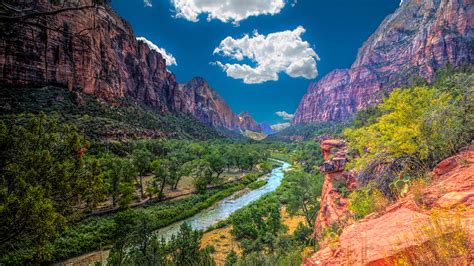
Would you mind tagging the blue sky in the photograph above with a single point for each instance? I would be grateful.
(332, 29)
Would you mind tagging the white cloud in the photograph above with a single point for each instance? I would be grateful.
(170, 60)
(147, 3)
(280, 127)
(226, 10)
(285, 115)
(277, 52)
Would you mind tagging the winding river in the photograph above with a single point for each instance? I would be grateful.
(206, 218)
(223, 209)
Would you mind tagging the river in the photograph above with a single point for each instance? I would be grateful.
(206, 218)
(223, 209)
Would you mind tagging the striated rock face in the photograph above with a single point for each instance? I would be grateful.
(246, 122)
(106, 60)
(199, 99)
(420, 37)
(409, 223)
(95, 51)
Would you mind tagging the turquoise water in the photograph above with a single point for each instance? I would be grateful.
(227, 206)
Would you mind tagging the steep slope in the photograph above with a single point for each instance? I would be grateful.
(267, 129)
(420, 37)
(94, 51)
(435, 218)
(197, 98)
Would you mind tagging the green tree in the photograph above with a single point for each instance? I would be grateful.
(216, 162)
(161, 170)
(120, 174)
(141, 159)
(42, 179)
(302, 195)
(399, 131)
(184, 247)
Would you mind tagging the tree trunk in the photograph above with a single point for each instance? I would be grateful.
(141, 186)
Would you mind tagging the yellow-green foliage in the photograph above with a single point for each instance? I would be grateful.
(366, 200)
(441, 240)
(416, 121)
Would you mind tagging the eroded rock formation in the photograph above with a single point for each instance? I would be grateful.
(94, 50)
(199, 99)
(410, 222)
(333, 210)
(420, 37)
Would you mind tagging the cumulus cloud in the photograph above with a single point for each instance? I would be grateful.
(147, 3)
(277, 52)
(285, 115)
(170, 60)
(280, 127)
(226, 10)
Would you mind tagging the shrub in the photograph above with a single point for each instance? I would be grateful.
(366, 200)
(441, 240)
(339, 184)
(258, 184)
(231, 258)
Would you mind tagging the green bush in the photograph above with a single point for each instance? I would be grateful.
(366, 200)
(257, 184)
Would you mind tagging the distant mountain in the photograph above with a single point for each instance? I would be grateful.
(94, 51)
(419, 38)
(267, 129)
(198, 99)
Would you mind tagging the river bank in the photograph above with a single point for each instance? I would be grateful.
(211, 215)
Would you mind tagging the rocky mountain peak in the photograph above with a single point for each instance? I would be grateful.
(417, 39)
(105, 60)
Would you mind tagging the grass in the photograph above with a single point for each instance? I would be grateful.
(442, 240)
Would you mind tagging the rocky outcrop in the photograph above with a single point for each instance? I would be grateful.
(333, 210)
(246, 122)
(197, 98)
(93, 50)
(420, 37)
(417, 222)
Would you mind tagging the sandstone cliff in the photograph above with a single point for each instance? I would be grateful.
(333, 210)
(93, 50)
(422, 221)
(420, 37)
(197, 98)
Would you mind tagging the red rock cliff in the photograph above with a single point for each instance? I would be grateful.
(333, 210)
(199, 99)
(412, 223)
(95, 51)
(420, 37)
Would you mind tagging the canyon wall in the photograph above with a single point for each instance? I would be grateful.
(94, 50)
(436, 217)
(197, 98)
(419, 38)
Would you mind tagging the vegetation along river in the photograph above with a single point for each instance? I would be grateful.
(223, 209)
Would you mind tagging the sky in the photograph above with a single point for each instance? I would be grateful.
(260, 55)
